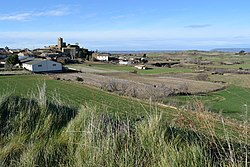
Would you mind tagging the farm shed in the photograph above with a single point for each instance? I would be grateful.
(38, 65)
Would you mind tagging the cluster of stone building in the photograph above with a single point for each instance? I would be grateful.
(63, 52)
(51, 58)
(48, 58)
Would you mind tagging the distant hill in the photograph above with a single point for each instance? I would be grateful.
(231, 49)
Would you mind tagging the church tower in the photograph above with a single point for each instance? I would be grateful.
(60, 43)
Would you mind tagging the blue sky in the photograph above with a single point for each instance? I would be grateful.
(126, 25)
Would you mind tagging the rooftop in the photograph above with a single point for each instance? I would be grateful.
(35, 61)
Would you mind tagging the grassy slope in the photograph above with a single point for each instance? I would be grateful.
(231, 102)
(74, 93)
(83, 141)
(34, 133)
(78, 94)
(241, 80)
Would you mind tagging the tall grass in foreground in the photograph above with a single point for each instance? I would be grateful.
(34, 132)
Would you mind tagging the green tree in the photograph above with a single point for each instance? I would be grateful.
(144, 60)
(12, 60)
(80, 54)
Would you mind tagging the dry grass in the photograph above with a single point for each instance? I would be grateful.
(57, 135)
(146, 83)
(242, 80)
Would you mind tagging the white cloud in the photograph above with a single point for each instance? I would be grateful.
(123, 16)
(55, 12)
(89, 15)
(17, 17)
(199, 26)
(29, 15)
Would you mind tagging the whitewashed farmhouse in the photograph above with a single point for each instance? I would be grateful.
(38, 65)
(101, 56)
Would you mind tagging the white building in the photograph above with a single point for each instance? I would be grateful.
(124, 62)
(102, 57)
(38, 65)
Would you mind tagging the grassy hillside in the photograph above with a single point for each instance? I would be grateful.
(242, 80)
(37, 132)
(73, 93)
(38, 127)
(232, 102)
(78, 94)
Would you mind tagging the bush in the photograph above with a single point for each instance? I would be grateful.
(13, 59)
(134, 71)
(183, 89)
(111, 86)
(79, 79)
(202, 77)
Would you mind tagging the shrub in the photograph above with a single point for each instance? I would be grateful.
(79, 79)
(134, 71)
(202, 77)
(111, 86)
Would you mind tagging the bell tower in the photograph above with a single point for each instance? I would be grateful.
(60, 43)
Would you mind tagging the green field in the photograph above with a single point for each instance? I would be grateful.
(78, 94)
(123, 68)
(72, 93)
(34, 133)
(232, 102)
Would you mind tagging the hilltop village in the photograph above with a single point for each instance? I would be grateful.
(52, 58)
(62, 56)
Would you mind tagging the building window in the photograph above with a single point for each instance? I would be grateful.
(54, 64)
(40, 65)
